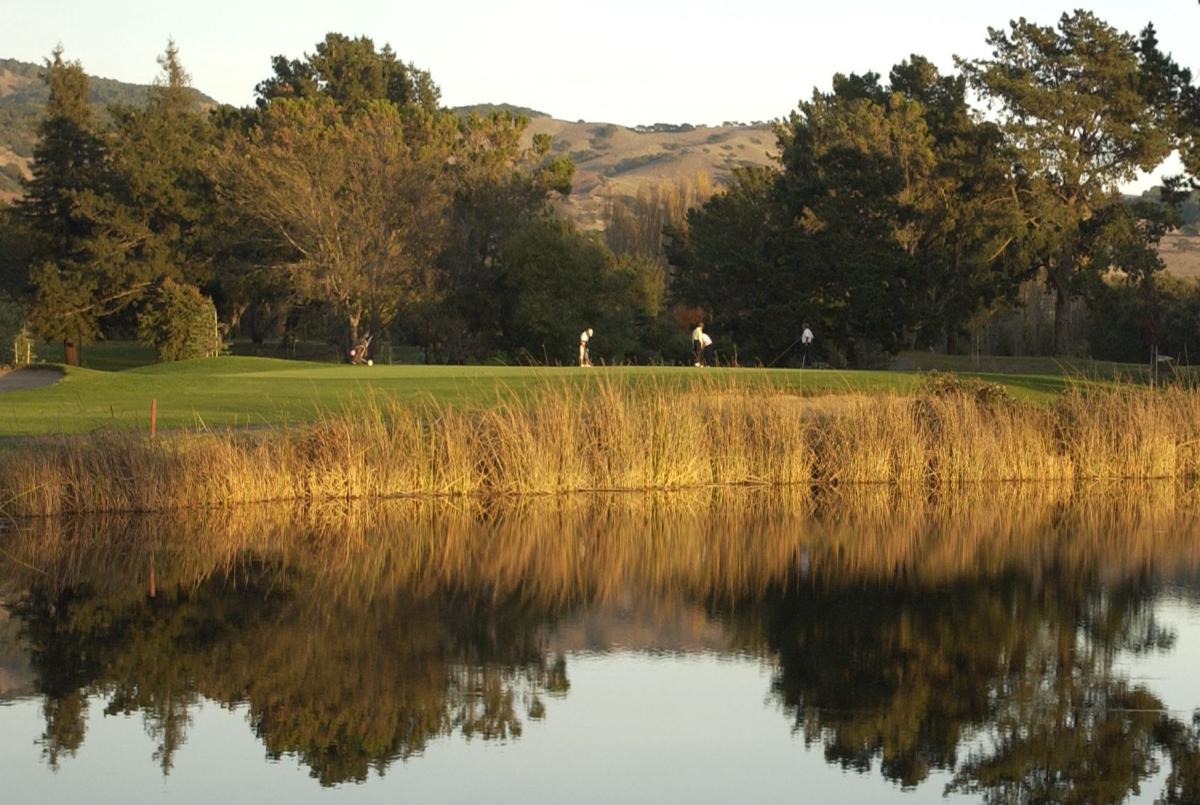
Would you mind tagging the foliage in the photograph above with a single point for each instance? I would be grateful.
(69, 159)
(1086, 106)
(23, 101)
(1130, 318)
(358, 200)
(889, 223)
(560, 282)
(180, 323)
(638, 225)
(499, 185)
(352, 74)
(151, 218)
(948, 384)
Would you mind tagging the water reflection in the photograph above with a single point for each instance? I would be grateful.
(975, 635)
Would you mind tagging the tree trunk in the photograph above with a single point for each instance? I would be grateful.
(352, 337)
(70, 352)
(1062, 318)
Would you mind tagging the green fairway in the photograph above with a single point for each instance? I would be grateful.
(264, 391)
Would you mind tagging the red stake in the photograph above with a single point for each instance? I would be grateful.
(153, 415)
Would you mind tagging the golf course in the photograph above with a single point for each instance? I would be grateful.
(242, 391)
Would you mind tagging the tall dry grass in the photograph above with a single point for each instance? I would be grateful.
(608, 435)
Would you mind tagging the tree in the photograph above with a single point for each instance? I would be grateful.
(499, 185)
(722, 261)
(352, 73)
(560, 281)
(357, 201)
(150, 219)
(1086, 107)
(69, 158)
(180, 323)
(965, 226)
(892, 220)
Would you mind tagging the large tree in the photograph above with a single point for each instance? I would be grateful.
(1086, 106)
(892, 220)
(68, 159)
(358, 201)
(499, 185)
(151, 219)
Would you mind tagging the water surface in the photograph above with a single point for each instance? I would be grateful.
(1003, 645)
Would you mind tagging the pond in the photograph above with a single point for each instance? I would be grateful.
(1006, 644)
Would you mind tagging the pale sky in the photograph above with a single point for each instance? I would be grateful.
(619, 61)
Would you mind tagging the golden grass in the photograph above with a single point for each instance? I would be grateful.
(611, 436)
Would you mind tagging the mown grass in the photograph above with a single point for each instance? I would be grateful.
(246, 391)
(608, 434)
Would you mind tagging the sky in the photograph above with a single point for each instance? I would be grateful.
(616, 61)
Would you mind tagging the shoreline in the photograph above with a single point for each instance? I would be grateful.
(608, 437)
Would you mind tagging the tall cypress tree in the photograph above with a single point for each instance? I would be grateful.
(68, 159)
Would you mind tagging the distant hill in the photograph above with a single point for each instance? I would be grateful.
(493, 108)
(23, 97)
(614, 160)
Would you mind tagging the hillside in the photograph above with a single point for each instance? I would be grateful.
(1181, 253)
(23, 96)
(615, 160)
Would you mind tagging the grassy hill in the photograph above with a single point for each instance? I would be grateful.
(23, 97)
(1181, 252)
(616, 160)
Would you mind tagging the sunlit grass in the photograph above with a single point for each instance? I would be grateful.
(603, 435)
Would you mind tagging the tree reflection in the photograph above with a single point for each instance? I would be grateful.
(344, 688)
(978, 639)
(1019, 673)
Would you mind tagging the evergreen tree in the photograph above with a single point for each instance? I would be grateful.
(499, 185)
(352, 73)
(68, 160)
(152, 218)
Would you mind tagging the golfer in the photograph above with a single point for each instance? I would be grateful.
(806, 338)
(585, 355)
(708, 353)
(698, 344)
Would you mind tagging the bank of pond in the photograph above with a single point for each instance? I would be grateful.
(608, 435)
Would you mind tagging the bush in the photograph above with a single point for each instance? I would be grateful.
(180, 322)
(948, 384)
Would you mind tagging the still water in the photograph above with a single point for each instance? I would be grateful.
(1007, 645)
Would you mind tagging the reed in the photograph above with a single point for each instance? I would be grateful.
(609, 435)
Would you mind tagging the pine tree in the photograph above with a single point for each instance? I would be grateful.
(69, 158)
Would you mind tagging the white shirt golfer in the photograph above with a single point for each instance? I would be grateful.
(705, 340)
(584, 338)
(806, 337)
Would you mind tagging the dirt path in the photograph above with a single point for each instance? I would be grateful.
(20, 379)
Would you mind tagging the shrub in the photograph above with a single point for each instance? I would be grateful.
(180, 322)
(948, 384)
